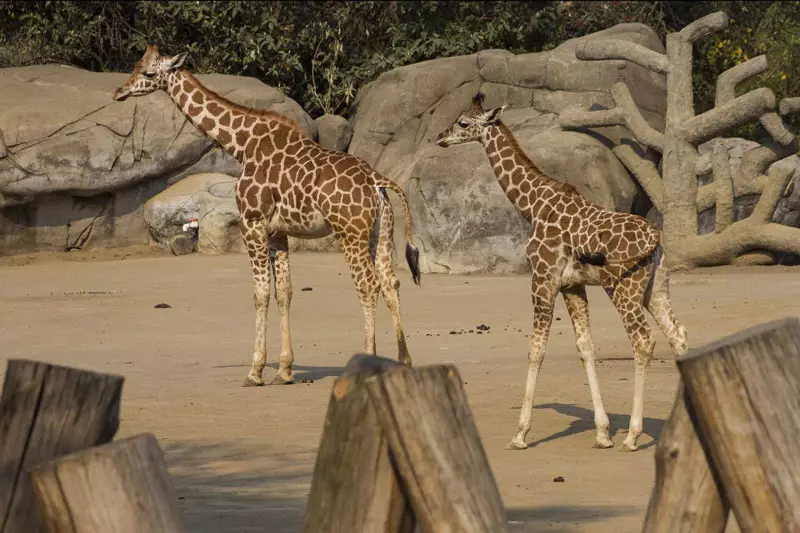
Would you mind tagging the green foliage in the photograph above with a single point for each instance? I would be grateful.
(320, 53)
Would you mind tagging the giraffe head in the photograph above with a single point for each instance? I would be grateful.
(472, 125)
(149, 74)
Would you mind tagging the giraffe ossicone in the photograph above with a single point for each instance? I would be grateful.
(291, 186)
(574, 243)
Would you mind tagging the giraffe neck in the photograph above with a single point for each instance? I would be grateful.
(236, 128)
(512, 167)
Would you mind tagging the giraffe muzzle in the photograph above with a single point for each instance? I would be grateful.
(121, 94)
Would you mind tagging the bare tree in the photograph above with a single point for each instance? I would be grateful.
(674, 191)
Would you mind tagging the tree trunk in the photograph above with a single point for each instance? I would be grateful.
(355, 486)
(48, 411)
(745, 392)
(115, 488)
(686, 497)
(437, 449)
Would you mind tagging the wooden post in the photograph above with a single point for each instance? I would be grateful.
(115, 488)
(355, 487)
(686, 497)
(437, 449)
(745, 393)
(47, 411)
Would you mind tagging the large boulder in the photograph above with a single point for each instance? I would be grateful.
(77, 167)
(464, 221)
(334, 132)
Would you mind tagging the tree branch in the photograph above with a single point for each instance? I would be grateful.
(645, 173)
(707, 194)
(790, 105)
(704, 26)
(743, 236)
(737, 112)
(723, 187)
(728, 80)
(777, 179)
(625, 114)
(598, 49)
(774, 125)
(703, 164)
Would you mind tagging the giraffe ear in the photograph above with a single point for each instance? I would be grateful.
(493, 116)
(177, 61)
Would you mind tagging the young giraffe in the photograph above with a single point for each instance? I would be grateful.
(575, 243)
(290, 186)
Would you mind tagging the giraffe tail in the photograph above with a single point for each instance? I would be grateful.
(412, 252)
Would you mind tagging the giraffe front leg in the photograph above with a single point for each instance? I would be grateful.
(544, 294)
(255, 238)
(578, 308)
(283, 295)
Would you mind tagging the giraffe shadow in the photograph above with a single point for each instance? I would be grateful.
(301, 372)
(584, 422)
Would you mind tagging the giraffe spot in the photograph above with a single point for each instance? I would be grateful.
(182, 99)
(206, 124)
(336, 197)
(260, 129)
(187, 86)
(237, 122)
(249, 120)
(508, 165)
(197, 97)
(225, 120)
(215, 109)
(344, 184)
(328, 187)
(176, 88)
(241, 137)
(280, 136)
(250, 148)
(224, 137)
(250, 169)
(293, 148)
(344, 164)
(357, 195)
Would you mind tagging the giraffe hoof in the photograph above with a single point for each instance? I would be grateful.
(280, 380)
(603, 444)
(517, 444)
(628, 446)
(251, 382)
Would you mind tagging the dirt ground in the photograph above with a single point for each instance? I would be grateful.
(242, 458)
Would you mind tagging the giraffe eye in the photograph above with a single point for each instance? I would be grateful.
(463, 123)
(149, 74)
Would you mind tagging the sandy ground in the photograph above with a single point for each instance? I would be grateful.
(242, 458)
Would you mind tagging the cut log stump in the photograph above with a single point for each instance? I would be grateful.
(47, 411)
(116, 488)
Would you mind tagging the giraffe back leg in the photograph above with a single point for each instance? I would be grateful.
(390, 284)
(578, 308)
(659, 305)
(279, 246)
(254, 233)
(365, 278)
(544, 289)
(628, 298)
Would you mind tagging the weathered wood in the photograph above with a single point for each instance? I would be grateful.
(47, 411)
(115, 488)
(745, 393)
(355, 486)
(437, 449)
(686, 496)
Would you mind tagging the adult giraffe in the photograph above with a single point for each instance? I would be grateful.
(290, 186)
(575, 243)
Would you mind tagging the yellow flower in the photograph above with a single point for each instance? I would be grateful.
(738, 51)
(783, 76)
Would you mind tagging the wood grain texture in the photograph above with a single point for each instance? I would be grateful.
(686, 497)
(745, 393)
(437, 449)
(121, 487)
(47, 411)
(355, 487)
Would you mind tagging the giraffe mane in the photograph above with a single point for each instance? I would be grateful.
(260, 113)
(562, 186)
